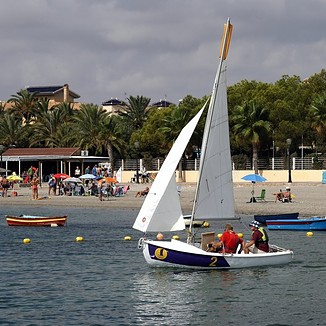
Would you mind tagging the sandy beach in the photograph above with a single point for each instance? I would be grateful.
(309, 199)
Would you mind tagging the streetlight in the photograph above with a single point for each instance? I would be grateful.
(136, 144)
(289, 141)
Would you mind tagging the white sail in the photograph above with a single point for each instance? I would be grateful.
(118, 175)
(215, 198)
(161, 210)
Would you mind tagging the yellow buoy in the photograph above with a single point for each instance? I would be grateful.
(206, 225)
(219, 235)
(27, 240)
(310, 234)
(240, 235)
(159, 236)
(78, 239)
(175, 237)
(127, 238)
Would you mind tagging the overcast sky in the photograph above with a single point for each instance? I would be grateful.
(156, 48)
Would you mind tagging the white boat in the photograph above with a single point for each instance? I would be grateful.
(214, 198)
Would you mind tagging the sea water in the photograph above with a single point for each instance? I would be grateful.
(104, 280)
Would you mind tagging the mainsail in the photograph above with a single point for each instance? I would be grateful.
(161, 210)
(214, 196)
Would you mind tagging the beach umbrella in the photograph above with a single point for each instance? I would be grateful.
(72, 179)
(87, 176)
(109, 179)
(253, 178)
(14, 177)
(61, 176)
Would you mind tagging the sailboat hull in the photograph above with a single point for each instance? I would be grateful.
(175, 253)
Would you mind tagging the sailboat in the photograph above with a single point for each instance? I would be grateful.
(214, 198)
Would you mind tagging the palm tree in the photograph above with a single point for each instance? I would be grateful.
(318, 113)
(24, 104)
(251, 125)
(110, 138)
(45, 127)
(136, 111)
(12, 132)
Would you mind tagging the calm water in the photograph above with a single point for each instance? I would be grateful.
(105, 281)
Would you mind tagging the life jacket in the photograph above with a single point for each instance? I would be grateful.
(264, 238)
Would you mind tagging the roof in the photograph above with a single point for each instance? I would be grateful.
(162, 104)
(50, 90)
(113, 101)
(41, 152)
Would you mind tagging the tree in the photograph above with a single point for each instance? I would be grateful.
(136, 111)
(24, 104)
(250, 125)
(11, 130)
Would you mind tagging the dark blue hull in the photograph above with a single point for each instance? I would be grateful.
(286, 216)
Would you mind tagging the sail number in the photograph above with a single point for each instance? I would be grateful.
(160, 253)
(214, 262)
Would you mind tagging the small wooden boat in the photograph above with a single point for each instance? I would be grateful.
(300, 224)
(31, 220)
(286, 216)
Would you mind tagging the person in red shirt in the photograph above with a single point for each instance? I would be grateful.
(228, 243)
(259, 240)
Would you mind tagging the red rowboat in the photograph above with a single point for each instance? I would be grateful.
(30, 220)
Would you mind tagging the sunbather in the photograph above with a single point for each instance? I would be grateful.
(142, 193)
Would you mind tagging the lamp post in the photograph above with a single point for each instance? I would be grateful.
(289, 141)
(137, 166)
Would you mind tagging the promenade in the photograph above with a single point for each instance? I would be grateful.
(309, 199)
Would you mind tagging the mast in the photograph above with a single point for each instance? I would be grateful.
(225, 44)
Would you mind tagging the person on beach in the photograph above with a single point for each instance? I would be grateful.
(142, 193)
(259, 240)
(228, 243)
(279, 196)
(52, 186)
(5, 186)
(77, 172)
(287, 195)
(34, 186)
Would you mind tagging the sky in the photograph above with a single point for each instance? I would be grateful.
(161, 49)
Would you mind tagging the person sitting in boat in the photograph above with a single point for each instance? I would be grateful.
(259, 240)
(142, 193)
(228, 243)
(279, 196)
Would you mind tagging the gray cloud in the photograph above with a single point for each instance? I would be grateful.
(117, 48)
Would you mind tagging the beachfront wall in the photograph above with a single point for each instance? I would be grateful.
(270, 175)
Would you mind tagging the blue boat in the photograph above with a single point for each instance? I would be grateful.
(286, 216)
(300, 224)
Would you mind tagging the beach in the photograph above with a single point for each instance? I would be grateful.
(308, 201)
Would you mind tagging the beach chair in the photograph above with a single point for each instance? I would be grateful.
(125, 189)
(262, 195)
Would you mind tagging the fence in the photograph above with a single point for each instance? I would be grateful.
(277, 163)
